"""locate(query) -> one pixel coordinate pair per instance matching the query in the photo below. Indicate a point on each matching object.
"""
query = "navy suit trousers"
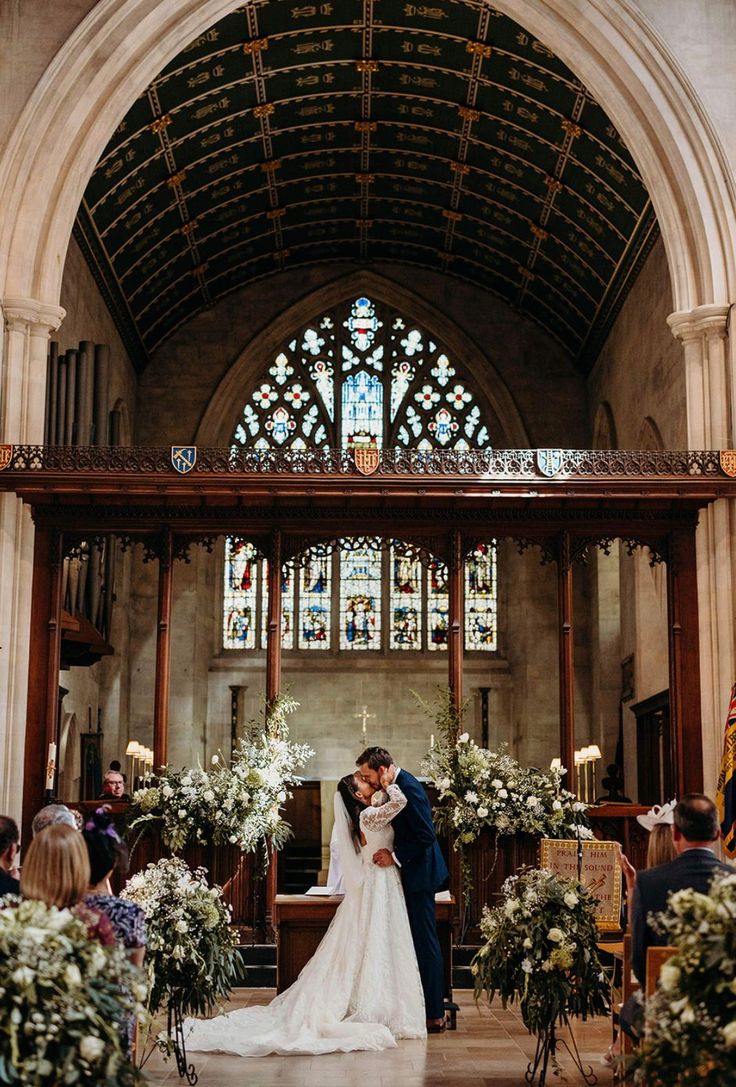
(422, 921)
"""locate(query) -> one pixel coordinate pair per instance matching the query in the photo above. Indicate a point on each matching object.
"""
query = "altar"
(300, 922)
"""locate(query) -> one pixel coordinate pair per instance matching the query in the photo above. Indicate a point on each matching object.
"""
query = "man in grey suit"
(695, 832)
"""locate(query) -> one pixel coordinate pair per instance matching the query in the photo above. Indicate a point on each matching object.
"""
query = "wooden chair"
(656, 958)
(629, 985)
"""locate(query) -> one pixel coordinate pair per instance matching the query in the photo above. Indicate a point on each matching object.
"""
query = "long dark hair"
(107, 851)
(346, 789)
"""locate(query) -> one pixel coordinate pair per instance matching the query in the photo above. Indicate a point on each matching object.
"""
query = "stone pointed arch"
(604, 428)
(223, 410)
(122, 44)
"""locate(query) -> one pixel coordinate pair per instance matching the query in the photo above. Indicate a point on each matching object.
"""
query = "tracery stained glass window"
(437, 606)
(241, 594)
(315, 601)
(360, 598)
(362, 375)
(405, 631)
(480, 598)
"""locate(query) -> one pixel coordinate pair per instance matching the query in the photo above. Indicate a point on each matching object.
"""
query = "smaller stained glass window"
(362, 408)
(437, 606)
(480, 598)
(406, 601)
(315, 598)
(287, 605)
(360, 598)
(241, 595)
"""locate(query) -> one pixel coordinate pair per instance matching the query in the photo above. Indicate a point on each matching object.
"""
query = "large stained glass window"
(361, 375)
(480, 598)
(287, 605)
(360, 598)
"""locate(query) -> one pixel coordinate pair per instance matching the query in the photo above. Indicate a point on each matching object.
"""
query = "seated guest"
(660, 847)
(53, 813)
(108, 853)
(113, 786)
(9, 846)
(694, 833)
(56, 871)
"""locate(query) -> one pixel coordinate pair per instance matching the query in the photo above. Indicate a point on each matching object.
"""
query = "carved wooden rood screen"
(441, 503)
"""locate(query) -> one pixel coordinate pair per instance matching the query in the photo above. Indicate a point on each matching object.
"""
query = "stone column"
(27, 326)
(710, 390)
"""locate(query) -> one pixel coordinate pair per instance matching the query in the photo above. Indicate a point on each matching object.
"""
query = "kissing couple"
(377, 975)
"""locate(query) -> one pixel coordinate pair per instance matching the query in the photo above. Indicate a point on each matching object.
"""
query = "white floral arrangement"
(480, 789)
(190, 946)
(67, 1001)
(540, 949)
(236, 803)
(691, 1018)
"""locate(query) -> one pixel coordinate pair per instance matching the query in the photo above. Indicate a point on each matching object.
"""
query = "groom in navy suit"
(423, 871)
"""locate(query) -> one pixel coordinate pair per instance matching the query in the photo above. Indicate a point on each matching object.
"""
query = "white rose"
(532, 802)
(571, 900)
(579, 806)
(463, 739)
(527, 943)
(471, 798)
(556, 805)
(91, 1048)
(444, 784)
(556, 935)
(167, 792)
(73, 976)
(503, 793)
(496, 783)
(729, 1033)
(182, 926)
(208, 795)
(482, 812)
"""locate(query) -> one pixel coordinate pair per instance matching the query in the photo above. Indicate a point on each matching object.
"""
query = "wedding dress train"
(361, 989)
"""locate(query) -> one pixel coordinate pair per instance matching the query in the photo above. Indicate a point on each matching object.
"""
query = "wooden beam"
(163, 651)
(273, 643)
(686, 736)
(43, 669)
(566, 658)
(455, 617)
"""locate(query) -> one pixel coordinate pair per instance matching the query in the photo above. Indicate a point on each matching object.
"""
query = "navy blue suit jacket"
(693, 869)
(416, 847)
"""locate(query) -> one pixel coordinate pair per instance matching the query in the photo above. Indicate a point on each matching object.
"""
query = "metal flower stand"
(175, 1030)
(548, 1045)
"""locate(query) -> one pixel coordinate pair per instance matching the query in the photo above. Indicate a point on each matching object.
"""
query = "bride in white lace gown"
(361, 989)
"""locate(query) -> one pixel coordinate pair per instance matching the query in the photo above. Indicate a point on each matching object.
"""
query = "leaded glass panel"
(437, 606)
(287, 605)
(480, 598)
(241, 595)
(315, 602)
(360, 598)
(406, 600)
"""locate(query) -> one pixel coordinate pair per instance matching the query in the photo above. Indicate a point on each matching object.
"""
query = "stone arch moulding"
(650, 436)
(121, 45)
(223, 410)
(604, 427)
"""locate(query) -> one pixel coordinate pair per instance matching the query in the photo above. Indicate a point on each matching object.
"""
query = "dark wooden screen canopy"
(441, 503)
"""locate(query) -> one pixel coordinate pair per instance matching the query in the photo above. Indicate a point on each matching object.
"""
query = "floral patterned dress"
(126, 918)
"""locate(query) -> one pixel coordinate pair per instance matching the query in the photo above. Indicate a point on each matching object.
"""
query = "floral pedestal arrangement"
(540, 950)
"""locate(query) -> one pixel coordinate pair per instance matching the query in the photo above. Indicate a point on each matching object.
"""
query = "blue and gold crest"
(183, 458)
(549, 461)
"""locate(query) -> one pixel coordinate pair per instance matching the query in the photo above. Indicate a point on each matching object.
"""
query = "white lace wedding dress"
(361, 989)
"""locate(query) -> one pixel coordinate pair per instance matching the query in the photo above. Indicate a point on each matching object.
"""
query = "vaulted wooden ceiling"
(439, 134)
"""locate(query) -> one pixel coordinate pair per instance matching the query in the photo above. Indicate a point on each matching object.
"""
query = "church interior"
(269, 235)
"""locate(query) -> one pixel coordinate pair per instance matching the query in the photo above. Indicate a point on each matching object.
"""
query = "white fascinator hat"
(658, 815)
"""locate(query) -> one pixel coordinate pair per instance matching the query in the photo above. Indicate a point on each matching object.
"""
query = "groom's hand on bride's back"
(383, 858)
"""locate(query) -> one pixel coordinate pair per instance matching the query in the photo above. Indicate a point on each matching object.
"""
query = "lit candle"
(431, 740)
(51, 768)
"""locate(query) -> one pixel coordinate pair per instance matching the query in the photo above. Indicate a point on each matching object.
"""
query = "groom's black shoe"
(437, 1026)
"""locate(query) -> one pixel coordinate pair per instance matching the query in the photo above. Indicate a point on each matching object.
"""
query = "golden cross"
(365, 716)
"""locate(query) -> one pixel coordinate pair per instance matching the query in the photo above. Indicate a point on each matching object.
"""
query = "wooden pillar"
(686, 740)
(455, 617)
(163, 652)
(566, 658)
(43, 669)
(273, 644)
